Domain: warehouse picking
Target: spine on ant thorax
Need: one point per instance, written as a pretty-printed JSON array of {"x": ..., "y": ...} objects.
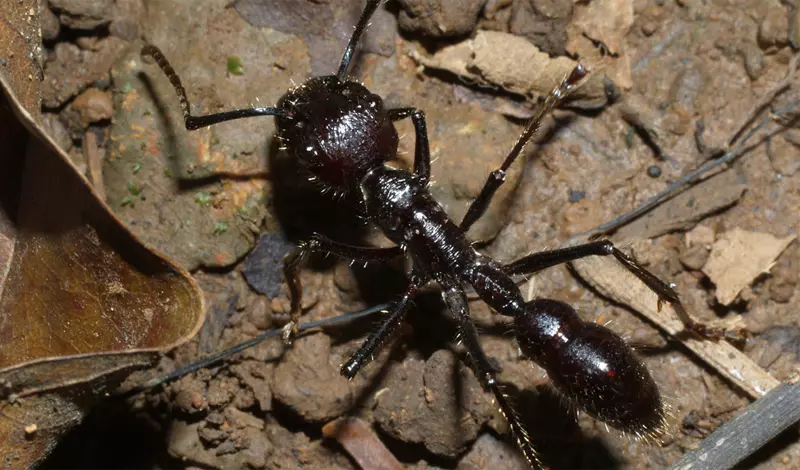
[{"x": 401, "y": 205}]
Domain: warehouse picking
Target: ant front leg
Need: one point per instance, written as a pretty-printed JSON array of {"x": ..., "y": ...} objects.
[
  {"x": 320, "y": 243},
  {"x": 457, "y": 302},
  {"x": 422, "y": 152},
  {"x": 196, "y": 122},
  {"x": 538, "y": 261}
]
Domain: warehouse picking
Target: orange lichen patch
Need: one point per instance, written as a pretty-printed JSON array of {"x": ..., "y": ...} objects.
[
  {"x": 128, "y": 100},
  {"x": 224, "y": 257},
  {"x": 202, "y": 147},
  {"x": 138, "y": 131},
  {"x": 152, "y": 145}
]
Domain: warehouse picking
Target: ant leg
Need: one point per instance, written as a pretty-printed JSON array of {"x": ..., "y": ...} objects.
[
  {"x": 422, "y": 151},
  {"x": 538, "y": 261},
  {"x": 498, "y": 176},
  {"x": 196, "y": 122},
  {"x": 457, "y": 302},
  {"x": 369, "y": 9},
  {"x": 317, "y": 242},
  {"x": 377, "y": 339}
]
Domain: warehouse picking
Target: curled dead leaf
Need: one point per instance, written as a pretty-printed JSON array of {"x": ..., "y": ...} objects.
[
  {"x": 82, "y": 301},
  {"x": 522, "y": 68}
]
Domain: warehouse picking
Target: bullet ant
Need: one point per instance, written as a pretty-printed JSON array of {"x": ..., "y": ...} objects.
[{"x": 343, "y": 136}]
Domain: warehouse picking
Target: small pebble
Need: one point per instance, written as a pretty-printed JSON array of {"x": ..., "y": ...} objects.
[
  {"x": 654, "y": 171},
  {"x": 575, "y": 195},
  {"x": 649, "y": 27},
  {"x": 93, "y": 105}
]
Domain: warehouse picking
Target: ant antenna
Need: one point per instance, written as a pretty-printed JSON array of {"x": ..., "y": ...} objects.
[
  {"x": 196, "y": 122},
  {"x": 372, "y": 5}
]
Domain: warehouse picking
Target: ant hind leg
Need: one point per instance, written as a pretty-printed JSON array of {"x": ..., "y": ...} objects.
[
  {"x": 478, "y": 361},
  {"x": 536, "y": 262}
]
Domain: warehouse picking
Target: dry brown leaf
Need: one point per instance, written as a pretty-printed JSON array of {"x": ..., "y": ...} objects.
[
  {"x": 82, "y": 301},
  {"x": 604, "y": 22},
  {"x": 738, "y": 257},
  {"x": 522, "y": 68}
]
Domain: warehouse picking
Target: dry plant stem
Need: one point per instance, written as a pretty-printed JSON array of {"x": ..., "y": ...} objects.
[
  {"x": 94, "y": 163},
  {"x": 738, "y": 438},
  {"x": 733, "y": 153},
  {"x": 767, "y": 97},
  {"x": 217, "y": 357},
  {"x": 684, "y": 182}
]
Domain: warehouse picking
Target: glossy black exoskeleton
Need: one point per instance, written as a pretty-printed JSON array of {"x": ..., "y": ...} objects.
[{"x": 343, "y": 135}]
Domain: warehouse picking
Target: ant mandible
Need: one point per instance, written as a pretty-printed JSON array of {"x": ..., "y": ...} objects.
[{"x": 341, "y": 133}]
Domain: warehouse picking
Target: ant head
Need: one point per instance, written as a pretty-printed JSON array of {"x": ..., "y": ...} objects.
[{"x": 336, "y": 129}]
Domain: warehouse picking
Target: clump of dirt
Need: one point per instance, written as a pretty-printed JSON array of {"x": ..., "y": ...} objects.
[{"x": 675, "y": 81}]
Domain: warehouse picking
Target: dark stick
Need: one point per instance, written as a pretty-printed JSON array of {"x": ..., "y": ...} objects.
[
  {"x": 214, "y": 358},
  {"x": 760, "y": 422},
  {"x": 692, "y": 178}
]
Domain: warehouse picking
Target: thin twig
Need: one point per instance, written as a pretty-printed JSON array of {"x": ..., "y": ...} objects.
[
  {"x": 767, "y": 98},
  {"x": 94, "y": 163},
  {"x": 760, "y": 422},
  {"x": 217, "y": 357},
  {"x": 689, "y": 179}
]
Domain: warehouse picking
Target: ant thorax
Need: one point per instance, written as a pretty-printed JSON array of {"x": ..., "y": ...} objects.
[{"x": 338, "y": 130}]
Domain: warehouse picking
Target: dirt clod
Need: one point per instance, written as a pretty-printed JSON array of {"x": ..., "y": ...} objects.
[
  {"x": 489, "y": 453},
  {"x": 83, "y": 14},
  {"x": 773, "y": 31},
  {"x": 93, "y": 105},
  {"x": 424, "y": 404},
  {"x": 440, "y": 18},
  {"x": 49, "y": 23},
  {"x": 307, "y": 382}
]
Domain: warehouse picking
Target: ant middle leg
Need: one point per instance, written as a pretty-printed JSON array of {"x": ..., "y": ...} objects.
[
  {"x": 536, "y": 262},
  {"x": 196, "y": 122},
  {"x": 320, "y": 243},
  {"x": 422, "y": 152},
  {"x": 457, "y": 302}
]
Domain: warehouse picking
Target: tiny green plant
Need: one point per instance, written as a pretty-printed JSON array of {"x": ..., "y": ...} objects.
[
  {"x": 220, "y": 228},
  {"x": 235, "y": 66},
  {"x": 204, "y": 198}
]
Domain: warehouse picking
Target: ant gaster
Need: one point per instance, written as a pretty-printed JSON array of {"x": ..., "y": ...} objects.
[{"x": 342, "y": 134}]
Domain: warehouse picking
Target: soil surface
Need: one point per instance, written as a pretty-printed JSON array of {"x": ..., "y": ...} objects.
[{"x": 673, "y": 83}]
